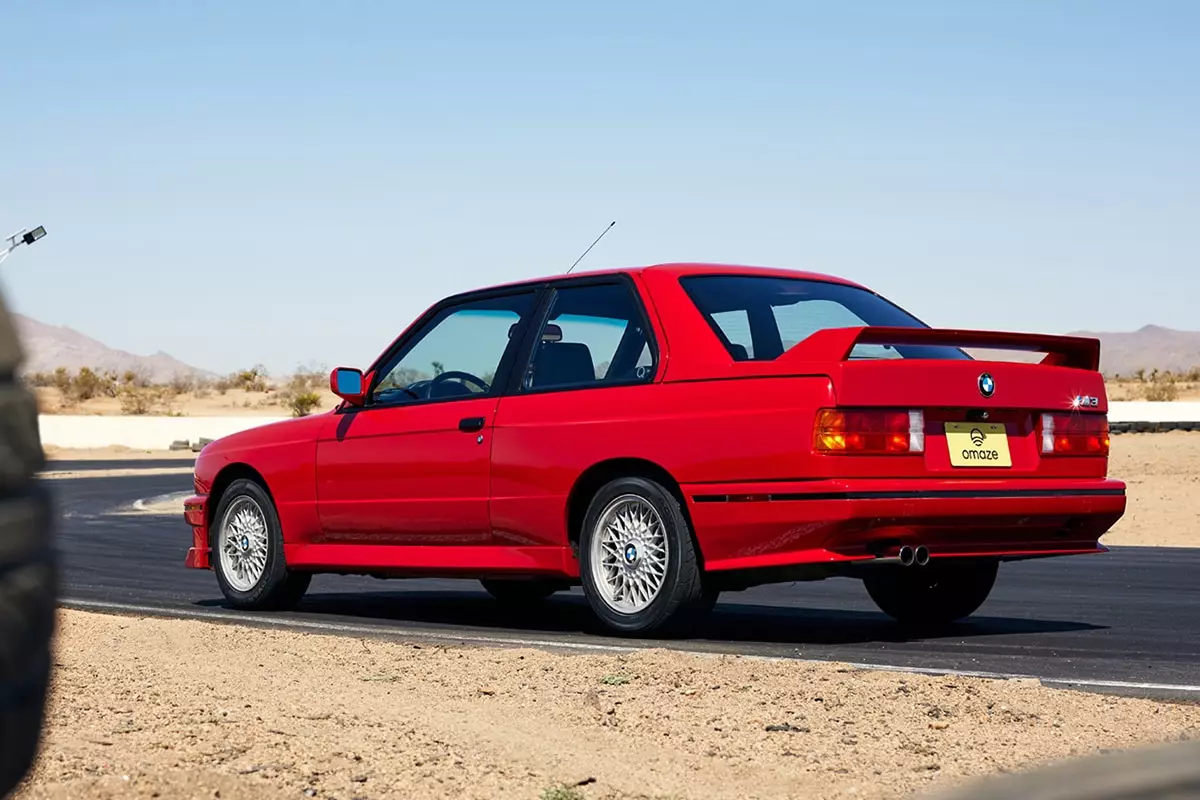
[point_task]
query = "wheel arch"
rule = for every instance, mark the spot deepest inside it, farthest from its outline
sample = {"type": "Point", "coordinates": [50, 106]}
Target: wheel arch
{"type": "Point", "coordinates": [225, 477]}
{"type": "Point", "coordinates": [596, 476]}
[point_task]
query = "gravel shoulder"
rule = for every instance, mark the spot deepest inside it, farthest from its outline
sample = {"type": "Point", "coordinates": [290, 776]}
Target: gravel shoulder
{"type": "Point", "coordinates": [161, 708]}
{"type": "Point", "coordinates": [1162, 471]}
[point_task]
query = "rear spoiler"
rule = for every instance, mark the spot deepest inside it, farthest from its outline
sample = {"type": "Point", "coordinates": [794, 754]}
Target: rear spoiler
{"type": "Point", "coordinates": [836, 344]}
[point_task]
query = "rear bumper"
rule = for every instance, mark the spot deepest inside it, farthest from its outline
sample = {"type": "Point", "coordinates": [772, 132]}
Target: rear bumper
{"type": "Point", "coordinates": [753, 525]}
{"type": "Point", "coordinates": [195, 514]}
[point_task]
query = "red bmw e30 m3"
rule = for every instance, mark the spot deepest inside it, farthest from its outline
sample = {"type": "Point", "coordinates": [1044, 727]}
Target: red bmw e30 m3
{"type": "Point", "coordinates": [663, 434]}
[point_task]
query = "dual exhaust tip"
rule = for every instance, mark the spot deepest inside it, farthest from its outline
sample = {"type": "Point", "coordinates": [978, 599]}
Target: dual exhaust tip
{"type": "Point", "coordinates": [918, 555]}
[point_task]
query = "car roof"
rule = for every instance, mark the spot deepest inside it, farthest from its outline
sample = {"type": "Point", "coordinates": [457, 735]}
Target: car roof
{"type": "Point", "coordinates": [681, 269]}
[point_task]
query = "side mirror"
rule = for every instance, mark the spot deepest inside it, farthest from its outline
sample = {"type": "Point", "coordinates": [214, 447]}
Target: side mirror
{"type": "Point", "coordinates": [349, 384]}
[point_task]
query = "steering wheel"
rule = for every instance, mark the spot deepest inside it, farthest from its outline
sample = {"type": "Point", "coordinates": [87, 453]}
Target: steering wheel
{"type": "Point", "coordinates": [462, 377]}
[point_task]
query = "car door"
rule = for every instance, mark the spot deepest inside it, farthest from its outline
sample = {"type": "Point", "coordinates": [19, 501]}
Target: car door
{"type": "Point", "coordinates": [583, 390]}
{"type": "Point", "coordinates": [411, 466]}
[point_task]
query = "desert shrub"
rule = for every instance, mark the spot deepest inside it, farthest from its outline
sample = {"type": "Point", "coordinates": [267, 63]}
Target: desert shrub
{"type": "Point", "coordinates": [142, 400]}
{"type": "Point", "coordinates": [304, 403]}
{"type": "Point", "coordinates": [89, 384]}
{"type": "Point", "coordinates": [312, 378]}
{"type": "Point", "coordinates": [182, 384]}
{"type": "Point", "coordinates": [561, 792]}
{"type": "Point", "coordinates": [40, 380]}
{"type": "Point", "coordinates": [61, 380]}
{"type": "Point", "coordinates": [1193, 375]}
{"type": "Point", "coordinates": [135, 401]}
{"type": "Point", "coordinates": [137, 378]}
{"type": "Point", "coordinates": [248, 380]}
{"type": "Point", "coordinates": [301, 394]}
{"type": "Point", "coordinates": [1162, 391]}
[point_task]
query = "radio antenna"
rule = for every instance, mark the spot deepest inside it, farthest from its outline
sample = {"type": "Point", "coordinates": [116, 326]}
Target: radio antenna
{"type": "Point", "coordinates": [593, 244]}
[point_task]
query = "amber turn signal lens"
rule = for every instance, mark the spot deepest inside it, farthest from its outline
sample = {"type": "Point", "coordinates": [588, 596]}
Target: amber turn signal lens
{"type": "Point", "coordinates": [869, 432]}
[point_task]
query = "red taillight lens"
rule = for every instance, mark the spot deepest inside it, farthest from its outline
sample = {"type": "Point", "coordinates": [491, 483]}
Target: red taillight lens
{"type": "Point", "coordinates": [869, 432]}
{"type": "Point", "coordinates": [1074, 434]}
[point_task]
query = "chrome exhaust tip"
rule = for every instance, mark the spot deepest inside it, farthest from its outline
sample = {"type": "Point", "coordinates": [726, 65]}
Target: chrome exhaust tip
{"type": "Point", "coordinates": [907, 556]}
{"type": "Point", "coordinates": [921, 555]}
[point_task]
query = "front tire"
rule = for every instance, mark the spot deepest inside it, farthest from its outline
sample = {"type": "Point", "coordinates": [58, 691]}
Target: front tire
{"type": "Point", "coordinates": [638, 563]}
{"type": "Point", "coordinates": [936, 594]}
{"type": "Point", "coordinates": [247, 551]}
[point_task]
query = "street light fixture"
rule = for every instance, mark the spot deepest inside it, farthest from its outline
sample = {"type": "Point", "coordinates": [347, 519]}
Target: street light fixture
{"type": "Point", "coordinates": [23, 236]}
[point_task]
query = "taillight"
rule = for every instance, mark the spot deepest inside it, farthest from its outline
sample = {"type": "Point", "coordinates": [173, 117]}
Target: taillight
{"type": "Point", "coordinates": [869, 432]}
{"type": "Point", "coordinates": [1074, 434]}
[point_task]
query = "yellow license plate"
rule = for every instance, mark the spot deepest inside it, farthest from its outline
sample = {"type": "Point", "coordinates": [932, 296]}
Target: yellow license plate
{"type": "Point", "coordinates": [978, 444]}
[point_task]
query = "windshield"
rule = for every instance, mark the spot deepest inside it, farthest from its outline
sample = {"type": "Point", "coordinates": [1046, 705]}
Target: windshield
{"type": "Point", "coordinates": [757, 318]}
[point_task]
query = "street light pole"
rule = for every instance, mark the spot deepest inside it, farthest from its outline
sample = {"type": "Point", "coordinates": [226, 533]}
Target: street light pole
{"type": "Point", "coordinates": [23, 236]}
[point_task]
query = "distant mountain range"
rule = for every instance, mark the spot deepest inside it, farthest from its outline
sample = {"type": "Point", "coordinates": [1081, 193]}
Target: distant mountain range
{"type": "Point", "coordinates": [1149, 348]}
{"type": "Point", "coordinates": [48, 347]}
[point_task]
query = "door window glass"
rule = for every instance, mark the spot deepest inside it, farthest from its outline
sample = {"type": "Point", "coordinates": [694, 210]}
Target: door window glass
{"type": "Point", "coordinates": [593, 335]}
{"type": "Point", "coordinates": [457, 354]}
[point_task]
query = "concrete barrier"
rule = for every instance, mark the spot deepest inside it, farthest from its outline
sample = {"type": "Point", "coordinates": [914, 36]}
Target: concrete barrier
{"type": "Point", "coordinates": [138, 433]}
{"type": "Point", "coordinates": [1145, 411]}
{"type": "Point", "coordinates": [157, 433]}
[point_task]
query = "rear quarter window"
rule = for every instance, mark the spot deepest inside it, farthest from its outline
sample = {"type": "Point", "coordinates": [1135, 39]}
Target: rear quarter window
{"type": "Point", "coordinates": [760, 317]}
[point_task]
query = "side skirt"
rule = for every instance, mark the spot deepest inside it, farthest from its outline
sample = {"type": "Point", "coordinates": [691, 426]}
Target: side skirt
{"type": "Point", "coordinates": [446, 561]}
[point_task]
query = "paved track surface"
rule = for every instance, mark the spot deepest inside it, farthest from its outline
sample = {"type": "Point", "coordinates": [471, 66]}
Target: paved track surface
{"type": "Point", "coordinates": [1127, 621]}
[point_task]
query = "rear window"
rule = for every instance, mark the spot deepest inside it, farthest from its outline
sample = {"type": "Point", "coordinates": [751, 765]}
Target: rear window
{"type": "Point", "coordinates": [757, 318]}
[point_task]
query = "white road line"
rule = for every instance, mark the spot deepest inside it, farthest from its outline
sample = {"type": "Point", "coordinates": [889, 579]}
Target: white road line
{"type": "Point", "coordinates": [338, 627]}
{"type": "Point", "coordinates": [418, 633]}
{"type": "Point", "coordinates": [141, 504]}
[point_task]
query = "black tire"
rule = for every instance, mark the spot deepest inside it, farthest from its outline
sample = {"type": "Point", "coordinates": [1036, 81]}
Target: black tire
{"type": "Point", "coordinates": [278, 588]}
{"type": "Point", "coordinates": [28, 570]}
{"type": "Point", "coordinates": [680, 595]}
{"type": "Point", "coordinates": [936, 594]}
{"type": "Point", "coordinates": [514, 591]}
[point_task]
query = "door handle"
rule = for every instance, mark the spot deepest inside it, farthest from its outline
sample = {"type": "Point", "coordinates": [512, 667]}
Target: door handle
{"type": "Point", "coordinates": [471, 424]}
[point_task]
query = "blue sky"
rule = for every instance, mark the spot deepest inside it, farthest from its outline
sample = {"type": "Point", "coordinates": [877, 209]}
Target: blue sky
{"type": "Point", "coordinates": [290, 183]}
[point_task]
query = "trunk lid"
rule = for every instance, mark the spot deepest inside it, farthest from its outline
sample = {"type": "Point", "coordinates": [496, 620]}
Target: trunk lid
{"type": "Point", "coordinates": [960, 399]}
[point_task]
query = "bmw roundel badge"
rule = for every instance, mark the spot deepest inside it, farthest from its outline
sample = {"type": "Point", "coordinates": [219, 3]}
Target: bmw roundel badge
{"type": "Point", "coordinates": [987, 386]}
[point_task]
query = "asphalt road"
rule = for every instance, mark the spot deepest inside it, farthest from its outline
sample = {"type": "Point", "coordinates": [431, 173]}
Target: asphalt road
{"type": "Point", "coordinates": [1127, 621]}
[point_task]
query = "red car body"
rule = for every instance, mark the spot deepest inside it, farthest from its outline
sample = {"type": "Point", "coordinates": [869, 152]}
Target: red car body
{"type": "Point", "coordinates": [797, 465]}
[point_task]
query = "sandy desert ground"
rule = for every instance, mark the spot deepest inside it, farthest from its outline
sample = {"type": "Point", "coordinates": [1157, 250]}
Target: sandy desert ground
{"type": "Point", "coordinates": [1162, 471]}
{"type": "Point", "coordinates": [159, 708]}
{"type": "Point", "coordinates": [1137, 390]}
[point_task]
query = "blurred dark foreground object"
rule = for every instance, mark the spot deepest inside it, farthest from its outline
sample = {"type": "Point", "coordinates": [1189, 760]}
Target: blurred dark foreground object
{"type": "Point", "coordinates": [28, 570]}
{"type": "Point", "coordinates": [1164, 772]}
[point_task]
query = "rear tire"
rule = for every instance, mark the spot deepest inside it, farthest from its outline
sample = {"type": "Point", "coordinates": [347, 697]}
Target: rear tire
{"type": "Point", "coordinates": [936, 594]}
{"type": "Point", "coordinates": [638, 563]}
{"type": "Point", "coordinates": [247, 551]}
{"type": "Point", "coordinates": [514, 591]}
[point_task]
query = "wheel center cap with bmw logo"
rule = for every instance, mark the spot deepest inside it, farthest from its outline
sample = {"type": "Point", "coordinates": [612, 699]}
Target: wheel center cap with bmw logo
{"type": "Point", "coordinates": [987, 386]}
{"type": "Point", "coordinates": [631, 553]}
